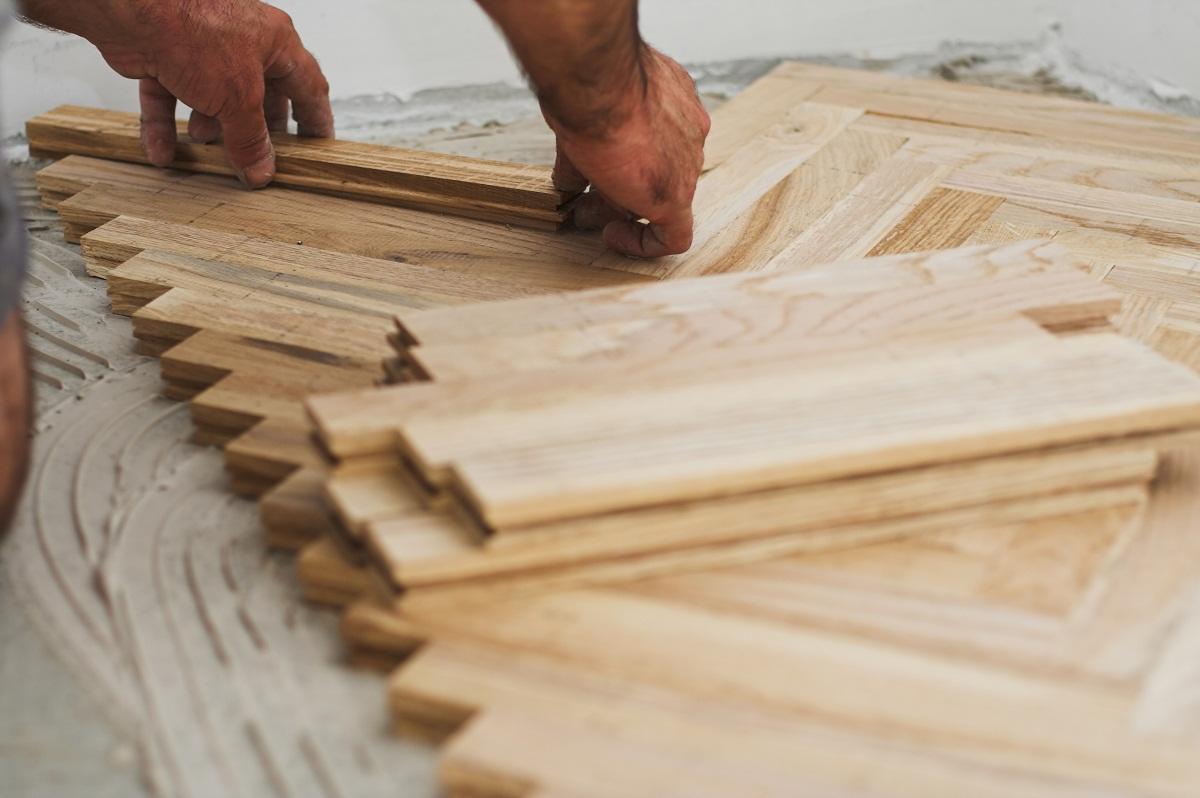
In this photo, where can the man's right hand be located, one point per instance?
(645, 167)
(627, 117)
(238, 64)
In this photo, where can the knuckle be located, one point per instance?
(278, 19)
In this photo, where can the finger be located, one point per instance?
(566, 177)
(247, 142)
(298, 77)
(593, 211)
(158, 121)
(275, 108)
(203, 128)
(671, 236)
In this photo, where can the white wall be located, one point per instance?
(400, 46)
(1137, 41)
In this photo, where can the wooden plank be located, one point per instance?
(374, 280)
(180, 312)
(970, 96)
(489, 190)
(1099, 128)
(268, 453)
(1059, 163)
(808, 323)
(959, 215)
(752, 240)
(761, 105)
(292, 512)
(107, 189)
(857, 224)
(568, 312)
(427, 550)
(1059, 728)
(366, 422)
(547, 469)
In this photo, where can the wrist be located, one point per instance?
(598, 105)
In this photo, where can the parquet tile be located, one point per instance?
(1044, 653)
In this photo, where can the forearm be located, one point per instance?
(91, 19)
(585, 58)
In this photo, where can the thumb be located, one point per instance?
(248, 144)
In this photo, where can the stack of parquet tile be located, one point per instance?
(608, 434)
(1044, 656)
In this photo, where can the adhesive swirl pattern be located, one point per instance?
(150, 582)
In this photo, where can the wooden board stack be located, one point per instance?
(1051, 656)
(598, 435)
(490, 190)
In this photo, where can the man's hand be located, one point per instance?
(644, 168)
(237, 63)
(628, 120)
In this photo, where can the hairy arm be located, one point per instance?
(627, 118)
(239, 64)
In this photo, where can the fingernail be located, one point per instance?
(259, 173)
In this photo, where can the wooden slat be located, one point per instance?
(959, 215)
(1056, 299)
(762, 105)
(420, 549)
(341, 225)
(1060, 395)
(569, 312)
(490, 190)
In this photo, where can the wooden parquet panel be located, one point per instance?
(1047, 657)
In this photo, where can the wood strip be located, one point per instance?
(489, 190)
(422, 550)
(1139, 137)
(568, 312)
(377, 282)
(854, 226)
(1058, 395)
(760, 106)
(751, 241)
(331, 223)
(180, 312)
(1056, 299)
(660, 642)
(971, 96)
(292, 512)
(1059, 164)
(959, 215)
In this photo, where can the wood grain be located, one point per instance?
(491, 190)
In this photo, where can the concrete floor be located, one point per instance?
(149, 645)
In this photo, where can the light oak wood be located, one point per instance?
(490, 190)
(566, 312)
(1045, 649)
(738, 185)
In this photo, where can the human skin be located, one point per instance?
(627, 118)
(239, 64)
(15, 415)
